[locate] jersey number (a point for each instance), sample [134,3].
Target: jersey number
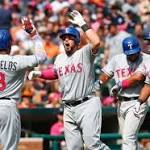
[2,82]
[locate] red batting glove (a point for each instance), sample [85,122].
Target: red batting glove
[28,26]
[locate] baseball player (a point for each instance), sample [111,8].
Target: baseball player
[141,73]
[122,67]
[12,74]
[74,69]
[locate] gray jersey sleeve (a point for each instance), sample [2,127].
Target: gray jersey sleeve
[87,50]
[26,62]
[141,69]
[39,51]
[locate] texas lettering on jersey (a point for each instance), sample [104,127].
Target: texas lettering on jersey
[68,69]
[124,72]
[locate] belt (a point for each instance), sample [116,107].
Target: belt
[122,98]
[4,98]
[75,103]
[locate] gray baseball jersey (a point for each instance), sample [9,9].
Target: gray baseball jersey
[12,74]
[120,68]
[76,74]
[12,70]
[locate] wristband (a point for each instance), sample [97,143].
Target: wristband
[29,30]
[85,27]
[125,84]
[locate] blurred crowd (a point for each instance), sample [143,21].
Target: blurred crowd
[113,20]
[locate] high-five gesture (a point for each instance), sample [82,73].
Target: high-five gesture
[28,26]
[76,18]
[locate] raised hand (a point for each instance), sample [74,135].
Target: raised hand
[28,26]
[76,18]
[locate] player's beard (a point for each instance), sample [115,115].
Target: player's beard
[70,48]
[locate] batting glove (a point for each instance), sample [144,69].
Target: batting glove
[136,109]
[115,89]
[34,74]
[28,26]
[97,84]
[76,18]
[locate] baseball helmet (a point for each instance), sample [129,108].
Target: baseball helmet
[71,31]
[131,45]
[5,40]
[146,34]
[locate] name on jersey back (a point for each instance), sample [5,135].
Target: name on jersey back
[8,65]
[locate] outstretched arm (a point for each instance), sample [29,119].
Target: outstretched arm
[48,74]
[76,18]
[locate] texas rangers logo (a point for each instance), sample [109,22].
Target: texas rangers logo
[130,45]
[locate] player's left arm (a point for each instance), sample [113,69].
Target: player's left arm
[76,18]
[39,50]
[136,78]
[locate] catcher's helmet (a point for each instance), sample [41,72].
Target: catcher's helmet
[146,34]
[5,40]
[131,45]
[71,31]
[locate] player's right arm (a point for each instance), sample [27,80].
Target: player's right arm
[76,18]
